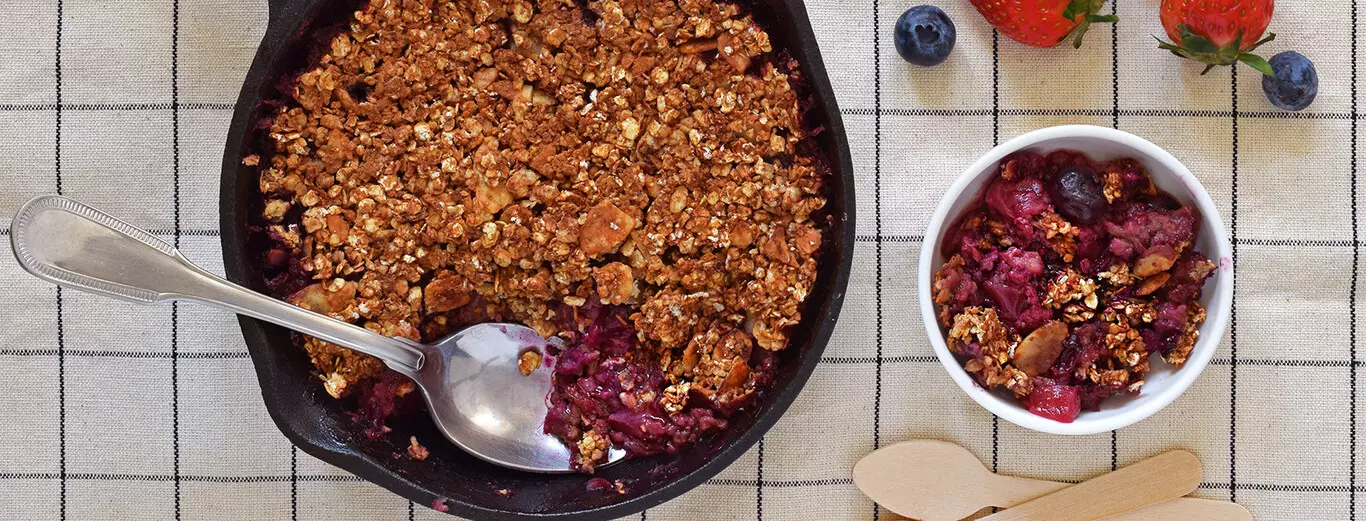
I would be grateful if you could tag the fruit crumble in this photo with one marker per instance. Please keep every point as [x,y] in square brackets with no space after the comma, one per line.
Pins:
[1065,276]
[632,176]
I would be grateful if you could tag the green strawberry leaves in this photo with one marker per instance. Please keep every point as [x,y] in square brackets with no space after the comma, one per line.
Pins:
[1079,33]
[1200,44]
[1086,10]
[1257,62]
[1199,48]
[1080,7]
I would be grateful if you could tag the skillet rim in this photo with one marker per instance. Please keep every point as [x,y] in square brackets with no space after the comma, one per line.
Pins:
[286,19]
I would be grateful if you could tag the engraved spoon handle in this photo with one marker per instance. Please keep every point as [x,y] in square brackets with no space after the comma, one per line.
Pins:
[68,243]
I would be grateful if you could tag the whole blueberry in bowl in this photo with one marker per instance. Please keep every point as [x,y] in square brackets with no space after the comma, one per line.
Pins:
[1295,83]
[1077,194]
[924,35]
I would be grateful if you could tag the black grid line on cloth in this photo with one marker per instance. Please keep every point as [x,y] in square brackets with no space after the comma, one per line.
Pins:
[889,238]
[4,232]
[759,485]
[411,512]
[61,327]
[24,107]
[877,243]
[1103,112]
[1114,122]
[1114,66]
[104,476]
[1233,308]
[1208,485]
[1352,296]
[995,140]
[746,483]
[783,484]
[175,193]
[294,478]
[107,353]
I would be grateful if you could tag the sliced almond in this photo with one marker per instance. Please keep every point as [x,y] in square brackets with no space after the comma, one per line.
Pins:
[1037,352]
[1200,269]
[691,356]
[482,78]
[326,298]
[697,46]
[736,378]
[1152,283]
[1156,260]
[730,50]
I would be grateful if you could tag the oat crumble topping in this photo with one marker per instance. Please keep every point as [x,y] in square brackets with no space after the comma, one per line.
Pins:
[510,160]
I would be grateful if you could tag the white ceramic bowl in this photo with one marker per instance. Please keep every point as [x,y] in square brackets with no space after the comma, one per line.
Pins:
[1164,383]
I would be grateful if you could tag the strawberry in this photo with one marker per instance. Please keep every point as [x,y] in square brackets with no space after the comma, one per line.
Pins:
[1043,23]
[1217,32]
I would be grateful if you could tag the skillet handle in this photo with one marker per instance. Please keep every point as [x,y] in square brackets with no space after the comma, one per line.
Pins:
[274,8]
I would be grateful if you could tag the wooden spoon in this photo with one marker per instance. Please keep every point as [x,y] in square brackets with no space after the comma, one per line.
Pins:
[1169,475]
[932,480]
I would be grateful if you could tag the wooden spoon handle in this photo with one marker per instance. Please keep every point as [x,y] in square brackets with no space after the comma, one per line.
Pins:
[1183,509]
[1166,476]
[1186,509]
[1012,490]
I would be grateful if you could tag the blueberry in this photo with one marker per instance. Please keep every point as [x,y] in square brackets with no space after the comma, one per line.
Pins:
[1295,84]
[924,35]
[1077,194]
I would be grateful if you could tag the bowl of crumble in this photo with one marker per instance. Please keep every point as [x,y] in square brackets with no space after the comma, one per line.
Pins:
[1076,279]
[665,186]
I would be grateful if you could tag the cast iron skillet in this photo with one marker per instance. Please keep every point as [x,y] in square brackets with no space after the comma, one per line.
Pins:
[319,424]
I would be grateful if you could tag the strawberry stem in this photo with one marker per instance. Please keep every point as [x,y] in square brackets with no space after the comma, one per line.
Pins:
[1085,10]
[1269,37]
[1079,33]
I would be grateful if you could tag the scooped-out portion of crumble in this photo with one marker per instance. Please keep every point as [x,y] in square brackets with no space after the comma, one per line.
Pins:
[632,176]
[1066,277]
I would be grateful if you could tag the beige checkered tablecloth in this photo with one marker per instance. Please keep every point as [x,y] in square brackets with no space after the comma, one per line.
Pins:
[109,411]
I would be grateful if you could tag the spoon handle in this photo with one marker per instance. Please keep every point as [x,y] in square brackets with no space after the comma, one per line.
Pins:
[1165,476]
[60,240]
[1012,491]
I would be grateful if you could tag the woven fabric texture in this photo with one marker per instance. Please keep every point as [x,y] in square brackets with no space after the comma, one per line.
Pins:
[120,412]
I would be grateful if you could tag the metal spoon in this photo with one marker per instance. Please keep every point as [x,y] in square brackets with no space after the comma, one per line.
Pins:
[474,389]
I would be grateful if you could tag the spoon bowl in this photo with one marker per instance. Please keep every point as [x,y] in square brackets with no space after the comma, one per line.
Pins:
[950,482]
[477,394]
[481,399]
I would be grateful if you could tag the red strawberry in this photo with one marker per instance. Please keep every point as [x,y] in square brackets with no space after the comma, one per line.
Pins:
[1217,32]
[1042,23]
